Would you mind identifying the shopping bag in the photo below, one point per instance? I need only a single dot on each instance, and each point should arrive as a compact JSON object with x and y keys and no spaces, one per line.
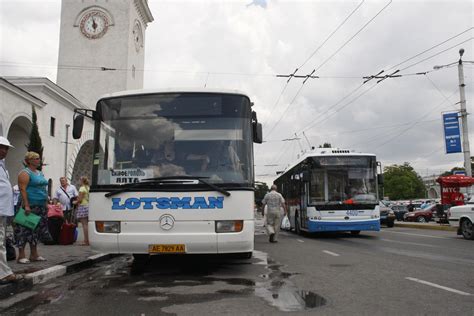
{"x":29,"y":221}
{"x":285,"y":222}
{"x":55,"y":210}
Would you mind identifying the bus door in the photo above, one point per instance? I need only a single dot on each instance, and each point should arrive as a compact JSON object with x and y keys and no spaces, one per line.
{"x":304,"y":204}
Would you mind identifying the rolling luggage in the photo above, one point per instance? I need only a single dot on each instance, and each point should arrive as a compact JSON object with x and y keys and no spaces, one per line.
{"x":66,"y":237}
{"x":54,"y":227}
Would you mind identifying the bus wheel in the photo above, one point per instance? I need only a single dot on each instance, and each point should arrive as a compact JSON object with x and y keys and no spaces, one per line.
{"x":355,"y":232}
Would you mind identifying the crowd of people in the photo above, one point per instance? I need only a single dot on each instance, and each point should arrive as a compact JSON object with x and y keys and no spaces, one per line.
{"x":29,"y":199}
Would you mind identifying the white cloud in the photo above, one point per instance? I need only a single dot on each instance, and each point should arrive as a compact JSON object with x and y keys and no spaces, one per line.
{"x":244,"y":44}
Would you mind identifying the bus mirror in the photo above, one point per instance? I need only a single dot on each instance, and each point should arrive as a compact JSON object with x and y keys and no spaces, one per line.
{"x":305,"y":176}
{"x":380,"y":179}
{"x":257,"y":133}
{"x":78,"y":124}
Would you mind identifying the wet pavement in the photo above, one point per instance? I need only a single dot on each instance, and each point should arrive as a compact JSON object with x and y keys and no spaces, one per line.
{"x":209,"y":285}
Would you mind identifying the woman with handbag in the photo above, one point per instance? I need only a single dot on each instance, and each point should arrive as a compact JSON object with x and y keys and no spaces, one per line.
{"x":34,"y":196}
{"x":82,"y":214}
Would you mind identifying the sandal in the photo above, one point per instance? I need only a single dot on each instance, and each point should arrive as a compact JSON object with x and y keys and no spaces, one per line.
{"x":39,"y":258}
{"x":23,"y":261}
{"x":11,"y":278}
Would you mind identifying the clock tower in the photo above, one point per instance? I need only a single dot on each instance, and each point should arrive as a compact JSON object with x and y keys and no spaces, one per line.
{"x":101,"y":47}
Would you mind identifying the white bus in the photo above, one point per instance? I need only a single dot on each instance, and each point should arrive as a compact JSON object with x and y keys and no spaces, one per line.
{"x":329,"y":190}
{"x":173,"y":172}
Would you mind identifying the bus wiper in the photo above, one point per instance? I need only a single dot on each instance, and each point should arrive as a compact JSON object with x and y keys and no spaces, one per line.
{"x":200,"y":179}
{"x":163,"y":180}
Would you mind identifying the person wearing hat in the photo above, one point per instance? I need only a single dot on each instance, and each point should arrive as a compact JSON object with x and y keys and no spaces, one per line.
{"x":6,"y":210}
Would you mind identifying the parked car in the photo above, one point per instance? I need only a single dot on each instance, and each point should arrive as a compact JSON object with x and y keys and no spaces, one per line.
{"x":399,"y":211}
{"x":387,"y":216}
{"x":420,"y":215}
{"x":462,"y":217}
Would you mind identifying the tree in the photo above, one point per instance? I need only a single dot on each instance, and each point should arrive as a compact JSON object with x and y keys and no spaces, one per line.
{"x":401,"y":182}
{"x":261,"y":188}
{"x":35,"y":143}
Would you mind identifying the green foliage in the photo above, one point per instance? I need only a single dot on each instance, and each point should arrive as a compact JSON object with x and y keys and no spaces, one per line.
{"x":35,"y":143}
{"x":261,"y":189}
{"x":401,"y":182}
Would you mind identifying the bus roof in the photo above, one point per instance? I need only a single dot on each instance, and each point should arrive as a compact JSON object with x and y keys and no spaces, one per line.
{"x":170,"y":90}
{"x":324,"y":152}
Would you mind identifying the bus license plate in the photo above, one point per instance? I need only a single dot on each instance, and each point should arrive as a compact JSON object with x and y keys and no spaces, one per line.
{"x":178,"y":248}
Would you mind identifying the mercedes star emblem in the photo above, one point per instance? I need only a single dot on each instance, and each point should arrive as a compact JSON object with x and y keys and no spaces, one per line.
{"x":166,"y":222}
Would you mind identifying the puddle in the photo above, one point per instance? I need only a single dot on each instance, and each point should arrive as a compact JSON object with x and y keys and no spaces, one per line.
{"x":279,"y":291}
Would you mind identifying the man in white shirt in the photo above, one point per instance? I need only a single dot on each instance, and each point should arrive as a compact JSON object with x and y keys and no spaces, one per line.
{"x":6,"y":210}
{"x":64,"y":194}
{"x":273,"y":200}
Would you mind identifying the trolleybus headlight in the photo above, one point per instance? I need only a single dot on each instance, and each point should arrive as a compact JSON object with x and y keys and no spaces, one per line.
{"x":229,"y":226}
{"x":107,"y":227}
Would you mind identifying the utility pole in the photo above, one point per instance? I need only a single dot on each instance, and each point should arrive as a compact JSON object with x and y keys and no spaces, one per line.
{"x":465,"y":135}
{"x":463,"y":112}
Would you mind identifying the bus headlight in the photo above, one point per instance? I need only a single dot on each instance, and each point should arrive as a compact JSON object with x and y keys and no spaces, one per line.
{"x":107,"y":227}
{"x":229,"y":226}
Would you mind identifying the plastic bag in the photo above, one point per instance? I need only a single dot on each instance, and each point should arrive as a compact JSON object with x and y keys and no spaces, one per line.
{"x":285,"y":222}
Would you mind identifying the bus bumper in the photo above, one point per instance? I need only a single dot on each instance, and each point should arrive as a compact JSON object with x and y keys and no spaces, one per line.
{"x":198,"y":237}
{"x":320,"y":226}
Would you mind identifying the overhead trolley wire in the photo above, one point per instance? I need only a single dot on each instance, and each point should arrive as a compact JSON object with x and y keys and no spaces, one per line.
{"x":332,"y":33}
{"x":416,"y":122}
{"x":329,"y":58}
{"x":311,"y":56}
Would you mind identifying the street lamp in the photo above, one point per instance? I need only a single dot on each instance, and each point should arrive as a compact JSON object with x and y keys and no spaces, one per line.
{"x":463,"y":112}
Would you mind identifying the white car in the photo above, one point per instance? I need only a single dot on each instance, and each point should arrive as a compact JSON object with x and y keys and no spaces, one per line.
{"x":462,"y":217}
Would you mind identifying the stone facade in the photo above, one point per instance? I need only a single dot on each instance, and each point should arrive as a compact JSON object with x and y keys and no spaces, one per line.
{"x":87,"y":69}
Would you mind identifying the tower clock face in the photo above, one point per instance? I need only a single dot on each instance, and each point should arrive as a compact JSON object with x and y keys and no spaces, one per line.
{"x":137,"y":36}
{"x":94,"y":24}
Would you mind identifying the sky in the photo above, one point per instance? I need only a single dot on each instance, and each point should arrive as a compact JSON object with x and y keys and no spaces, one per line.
{"x":251,"y":45}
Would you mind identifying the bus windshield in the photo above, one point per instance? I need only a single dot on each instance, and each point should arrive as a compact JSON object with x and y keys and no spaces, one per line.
{"x":158,"y":135}
{"x":349,"y":179}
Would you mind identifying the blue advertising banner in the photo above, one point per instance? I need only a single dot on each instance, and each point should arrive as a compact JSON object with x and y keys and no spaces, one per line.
{"x":452,"y":134}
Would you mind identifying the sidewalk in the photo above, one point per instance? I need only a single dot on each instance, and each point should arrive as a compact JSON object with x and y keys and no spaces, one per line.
{"x":61,"y":260}
{"x":429,"y":225}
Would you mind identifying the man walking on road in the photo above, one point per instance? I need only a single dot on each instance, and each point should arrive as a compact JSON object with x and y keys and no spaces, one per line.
{"x":6,"y":210}
{"x":273,"y":200}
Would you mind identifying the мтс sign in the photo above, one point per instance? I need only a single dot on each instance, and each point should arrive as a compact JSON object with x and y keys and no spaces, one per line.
{"x":452,"y":135}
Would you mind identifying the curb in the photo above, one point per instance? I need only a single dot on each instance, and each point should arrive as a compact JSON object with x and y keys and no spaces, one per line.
{"x":47,"y":274}
{"x":424,"y":226}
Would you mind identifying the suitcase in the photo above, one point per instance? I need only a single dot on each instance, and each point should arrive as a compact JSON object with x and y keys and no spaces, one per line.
{"x":66,"y":237}
{"x":54,"y":227}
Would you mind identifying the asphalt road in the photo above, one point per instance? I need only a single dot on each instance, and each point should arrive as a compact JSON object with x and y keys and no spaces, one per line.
{"x":397,"y":271}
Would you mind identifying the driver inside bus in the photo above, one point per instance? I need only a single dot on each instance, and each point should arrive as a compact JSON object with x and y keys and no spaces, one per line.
{"x":163,"y":161}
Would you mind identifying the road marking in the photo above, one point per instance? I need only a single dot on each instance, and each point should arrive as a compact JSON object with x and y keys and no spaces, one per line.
{"x":437,"y":286}
{"x":300,"y":240}
{"x":411,"y":234}
{"x":331,"y":253}
{"x":409,"y":243}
